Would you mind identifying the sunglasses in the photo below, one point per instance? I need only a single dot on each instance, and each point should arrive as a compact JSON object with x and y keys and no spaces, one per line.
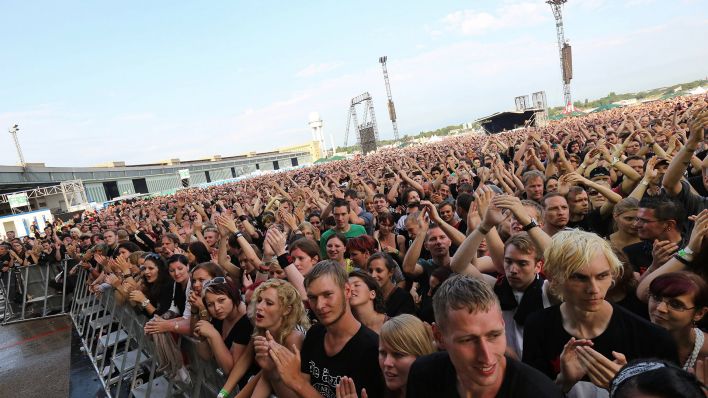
{"x":154,"y":256}
{"x":219,"y":280}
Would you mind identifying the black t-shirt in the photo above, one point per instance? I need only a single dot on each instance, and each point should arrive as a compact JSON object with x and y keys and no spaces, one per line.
{"x":594,"y":222}
{"x":434,"y":376}
{"x":240,"y":333}
{"x":544,"y":338}
{"x":6,"y":260}
{"x":639,"y":255}
{"x":358,"y":359}
{"x":399,"y":302}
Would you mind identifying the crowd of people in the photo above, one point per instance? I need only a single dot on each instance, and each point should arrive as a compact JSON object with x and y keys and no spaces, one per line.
{"x":546,"y":261}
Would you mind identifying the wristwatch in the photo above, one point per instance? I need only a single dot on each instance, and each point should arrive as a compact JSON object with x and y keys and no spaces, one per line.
{"x":145,"y":303}
{"x":532,"y":224}
{"x":203,"y":314}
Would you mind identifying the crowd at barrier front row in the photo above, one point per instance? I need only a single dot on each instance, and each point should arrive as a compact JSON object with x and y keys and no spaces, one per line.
{"x":566,"y":259}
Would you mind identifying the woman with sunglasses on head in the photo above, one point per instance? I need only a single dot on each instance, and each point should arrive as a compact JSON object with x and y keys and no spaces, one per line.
{"x":677,"y":301}
{"x":276,"y":308}
{"x":229,"y":331}
{"x":201,"y":274}
{"x":155,"y":295}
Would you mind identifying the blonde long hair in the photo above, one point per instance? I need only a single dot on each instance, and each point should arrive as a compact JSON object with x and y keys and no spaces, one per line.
{"x":407,"y":334}
{"x":289,"y":298}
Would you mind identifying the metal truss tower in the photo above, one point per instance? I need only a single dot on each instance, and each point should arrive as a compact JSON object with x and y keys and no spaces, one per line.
{"x":367,"y":131}
{"x":391,"y":108}
{"x":564,"y":52}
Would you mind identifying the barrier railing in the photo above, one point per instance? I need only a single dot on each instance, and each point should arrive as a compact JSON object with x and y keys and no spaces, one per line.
{"x":33,"y":292}
{"x":125,"y":358}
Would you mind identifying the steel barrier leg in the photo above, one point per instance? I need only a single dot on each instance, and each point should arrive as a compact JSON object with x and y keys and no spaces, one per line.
{"x":8,"y":306}
{"x":24,"y":292}
{"x":63,"y":288}
{"x":110,"y":323}
{"x":46,"y":289}
{"x":125,"y":323}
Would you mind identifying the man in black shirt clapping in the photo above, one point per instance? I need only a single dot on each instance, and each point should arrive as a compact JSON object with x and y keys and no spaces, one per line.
{"x":470,"y":327}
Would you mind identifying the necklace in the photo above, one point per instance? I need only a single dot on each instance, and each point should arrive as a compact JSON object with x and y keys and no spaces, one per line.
{"x":697,"y":344}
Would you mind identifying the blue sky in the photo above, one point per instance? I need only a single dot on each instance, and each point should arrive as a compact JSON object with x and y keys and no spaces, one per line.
{"x":90,"y":82}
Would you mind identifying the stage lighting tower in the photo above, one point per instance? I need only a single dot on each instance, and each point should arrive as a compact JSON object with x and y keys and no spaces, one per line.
{"x":564,"y":52}
{"x":391,"y":108}
{"x":13,"y":132}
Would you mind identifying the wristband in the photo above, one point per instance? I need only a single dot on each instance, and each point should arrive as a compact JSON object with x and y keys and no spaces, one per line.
{"x":243,"y":218}
{"x":482,"y":230}
{"x":223,"y":393}
{"x":645,"y":183}
{"x":685,"y":253}
{"x":681,"y":259}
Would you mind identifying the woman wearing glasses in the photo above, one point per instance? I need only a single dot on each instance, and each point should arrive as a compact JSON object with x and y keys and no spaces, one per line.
{"x":229,"y":331}
{"x":677,"y":301}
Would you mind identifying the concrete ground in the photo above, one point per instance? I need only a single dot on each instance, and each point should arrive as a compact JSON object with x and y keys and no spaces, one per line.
{"x":35,"y":358}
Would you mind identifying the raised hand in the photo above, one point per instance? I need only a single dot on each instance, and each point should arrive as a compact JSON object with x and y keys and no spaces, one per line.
{"x":699,"y":233}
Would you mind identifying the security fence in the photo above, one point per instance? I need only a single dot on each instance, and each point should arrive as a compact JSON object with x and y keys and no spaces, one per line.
{"x":126,"y":359}
{"x":128,"y":362}
{"x":34,"y":291}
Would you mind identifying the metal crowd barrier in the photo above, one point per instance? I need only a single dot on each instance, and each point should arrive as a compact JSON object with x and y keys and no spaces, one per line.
{"x":124,"y":357}
{"x":31,"y":292}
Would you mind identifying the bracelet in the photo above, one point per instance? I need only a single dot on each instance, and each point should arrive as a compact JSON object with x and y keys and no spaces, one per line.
{"x":645,"y":183}
{"x":614,"y":161}
{"x":482,"y":230}
{"x":223,"y":393}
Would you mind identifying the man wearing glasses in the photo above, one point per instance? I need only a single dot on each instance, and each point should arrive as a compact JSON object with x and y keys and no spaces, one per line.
{"x":659,"y":224}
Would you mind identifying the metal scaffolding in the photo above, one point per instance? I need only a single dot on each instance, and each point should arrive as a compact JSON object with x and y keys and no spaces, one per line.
{"x":391,"y":107}
{"x":367,"y":131}
{"x":72,"y":190}
{"x":564,"y":52}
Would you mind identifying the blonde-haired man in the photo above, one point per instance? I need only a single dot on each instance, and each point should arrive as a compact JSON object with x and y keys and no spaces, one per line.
{"x":571,"y":342}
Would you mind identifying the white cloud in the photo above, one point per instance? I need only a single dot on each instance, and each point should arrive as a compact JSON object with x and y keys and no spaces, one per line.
{"x":316,"y":69}
{"x":472,"y":22}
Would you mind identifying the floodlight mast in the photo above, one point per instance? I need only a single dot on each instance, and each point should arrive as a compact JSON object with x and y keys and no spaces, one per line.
{"x":13,"y":132}
{"x":565,"y":61}
{"x":391,"y":108}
